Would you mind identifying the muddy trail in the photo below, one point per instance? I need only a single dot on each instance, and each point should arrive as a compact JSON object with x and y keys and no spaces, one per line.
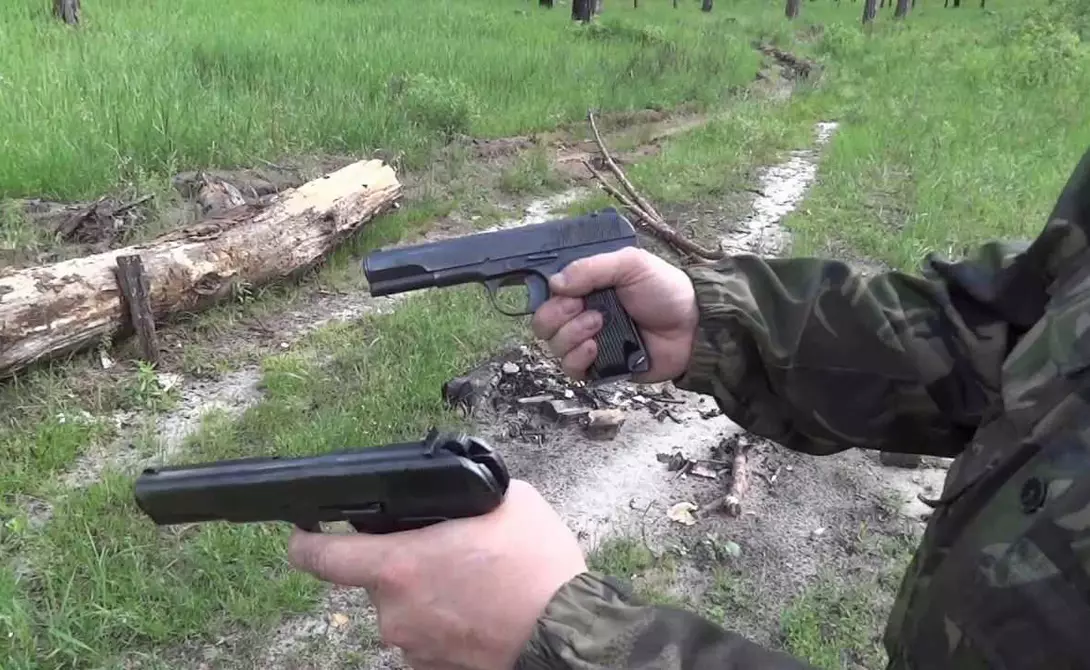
{"x":655,"y":482}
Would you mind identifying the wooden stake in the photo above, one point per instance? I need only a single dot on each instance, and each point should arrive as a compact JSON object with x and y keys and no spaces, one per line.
{"x":133,"y":283}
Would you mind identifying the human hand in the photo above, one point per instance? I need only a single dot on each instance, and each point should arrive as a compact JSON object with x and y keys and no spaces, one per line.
{"x":658,"y":296}
{"x":464,"y":593}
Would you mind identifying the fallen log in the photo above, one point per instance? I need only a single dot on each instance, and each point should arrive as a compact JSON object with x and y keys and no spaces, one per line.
{"x":54,"y":310}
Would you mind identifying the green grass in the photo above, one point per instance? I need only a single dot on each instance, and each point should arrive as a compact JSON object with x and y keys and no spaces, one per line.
{"x":956,"y":127}
{"x":151,"y":88}
{"x":651,"y":576}
{"x":834,"y":625}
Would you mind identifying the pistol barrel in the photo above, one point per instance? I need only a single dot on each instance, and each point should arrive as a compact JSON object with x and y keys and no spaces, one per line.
{"x":379,"y":489}
{"x":544,"y":247}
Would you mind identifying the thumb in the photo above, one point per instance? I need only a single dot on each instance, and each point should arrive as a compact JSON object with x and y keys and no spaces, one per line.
{"x":594,"y":273}
{"x":349,"y":560}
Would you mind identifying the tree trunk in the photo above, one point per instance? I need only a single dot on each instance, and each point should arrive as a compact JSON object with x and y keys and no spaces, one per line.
{"x":706,"y":5}
{"x":635,"y":4}
{"x":792,"y":9}
{"x":581,"y":10}
{"x":57,"y":309}
{"x":545,"y":3}
{"x":675,"y":4}
{"x":902,"y":9}
{"x":869,"y":10}
{"x":598,"y":7}
{"x":67,"y":11}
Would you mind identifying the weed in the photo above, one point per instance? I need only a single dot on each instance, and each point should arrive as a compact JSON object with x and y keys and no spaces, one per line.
{"x":531,"y":174}
{"x":833,"y":625}
{"x":148,"y":390}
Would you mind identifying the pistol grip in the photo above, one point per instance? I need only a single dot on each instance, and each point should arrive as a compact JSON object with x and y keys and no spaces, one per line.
{"x":621,"y":352}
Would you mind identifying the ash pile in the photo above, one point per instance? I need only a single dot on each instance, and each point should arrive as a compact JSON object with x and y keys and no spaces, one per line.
{"x":527,"y":394}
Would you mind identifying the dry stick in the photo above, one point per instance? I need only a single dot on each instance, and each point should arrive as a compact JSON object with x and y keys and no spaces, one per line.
{"x":739,"y":483}
{"x":644,"y":217}
{"x":639,"y":205}
{"x":618,"y":173}
{"x":129,"y":205}
{"x":680,"y":244}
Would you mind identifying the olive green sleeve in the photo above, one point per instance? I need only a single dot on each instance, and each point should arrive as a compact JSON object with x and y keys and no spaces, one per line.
{"x":819,"y":358}
{"x":593,"y":622}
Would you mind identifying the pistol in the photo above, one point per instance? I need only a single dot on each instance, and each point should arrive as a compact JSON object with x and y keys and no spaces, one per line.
{"x":381,"y":489}
{"x":525,"y":255}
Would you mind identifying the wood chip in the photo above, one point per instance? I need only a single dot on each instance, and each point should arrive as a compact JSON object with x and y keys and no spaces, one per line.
{"x":604,"y":424}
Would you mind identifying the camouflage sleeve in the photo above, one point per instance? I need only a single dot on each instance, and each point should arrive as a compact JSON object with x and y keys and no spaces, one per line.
{"x":819,"y":358}
{"x":593,"y":622}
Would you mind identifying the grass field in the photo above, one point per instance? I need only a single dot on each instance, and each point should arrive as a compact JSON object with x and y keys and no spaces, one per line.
{"x":149,"y":88}
{"x":956,"y":127}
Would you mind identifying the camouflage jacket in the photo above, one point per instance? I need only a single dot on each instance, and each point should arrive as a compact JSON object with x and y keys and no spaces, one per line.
{"x":986,"y":360}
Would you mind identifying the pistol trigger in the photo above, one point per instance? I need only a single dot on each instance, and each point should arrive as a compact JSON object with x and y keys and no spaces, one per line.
{"x":538,"y":289}
{"x":492,"y":286}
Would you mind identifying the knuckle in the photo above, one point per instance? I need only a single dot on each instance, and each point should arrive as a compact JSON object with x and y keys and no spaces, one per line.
{"x":398,"y":574}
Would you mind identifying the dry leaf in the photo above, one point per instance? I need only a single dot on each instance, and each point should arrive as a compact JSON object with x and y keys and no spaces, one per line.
{"x":338,"y":619}
{"x":682,"y":513}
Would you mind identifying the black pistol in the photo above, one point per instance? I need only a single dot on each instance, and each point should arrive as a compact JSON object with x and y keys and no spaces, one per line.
{"x":378,"y":490}
{"x":525,"y":255}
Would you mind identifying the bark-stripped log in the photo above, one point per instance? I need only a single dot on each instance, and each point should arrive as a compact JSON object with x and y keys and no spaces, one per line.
{"x":57,"y":309}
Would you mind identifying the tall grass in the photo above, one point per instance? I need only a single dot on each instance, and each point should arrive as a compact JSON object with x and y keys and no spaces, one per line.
{"x":956,"y":127}
{"x":153,"y":86}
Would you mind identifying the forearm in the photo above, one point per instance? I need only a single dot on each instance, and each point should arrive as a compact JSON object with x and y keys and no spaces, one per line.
{"x":593,"y":623}
{"x":820,"y":359}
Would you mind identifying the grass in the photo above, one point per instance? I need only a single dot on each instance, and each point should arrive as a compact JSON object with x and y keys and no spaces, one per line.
{"x":650,"y":575}
{"x":143,"y":90}
{"x":153,"y":88}
{"x":836,"y":625}
{"x":970,"y":139}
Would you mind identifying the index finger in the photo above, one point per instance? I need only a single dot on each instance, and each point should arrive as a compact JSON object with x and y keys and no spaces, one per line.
{"x":349,"y":560}
{"x":592,"y":273}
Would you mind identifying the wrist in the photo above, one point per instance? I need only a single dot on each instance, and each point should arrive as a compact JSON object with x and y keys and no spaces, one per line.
{"x":701,"y":371}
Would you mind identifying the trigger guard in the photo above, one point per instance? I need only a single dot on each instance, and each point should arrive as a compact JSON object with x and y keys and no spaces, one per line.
{"x":538,"y":289}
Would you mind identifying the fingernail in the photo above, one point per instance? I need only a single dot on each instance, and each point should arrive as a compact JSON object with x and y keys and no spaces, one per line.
{"x":590,"y":320}
{"x":559,"y":281}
